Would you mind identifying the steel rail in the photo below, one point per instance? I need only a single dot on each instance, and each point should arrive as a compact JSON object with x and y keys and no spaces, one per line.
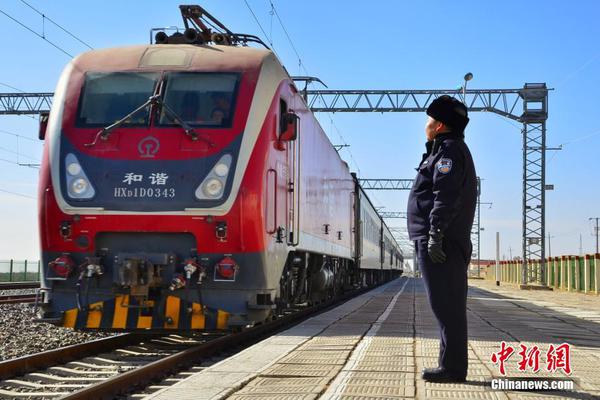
{"x":22,"y":365}
{"x":19,"y":285}
{"x":17,"y":298}
{"x":142,"y":376}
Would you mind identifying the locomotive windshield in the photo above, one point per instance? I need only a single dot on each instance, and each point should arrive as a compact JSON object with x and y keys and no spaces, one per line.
{"x":200,"y":99}
{"x":108,"y":97}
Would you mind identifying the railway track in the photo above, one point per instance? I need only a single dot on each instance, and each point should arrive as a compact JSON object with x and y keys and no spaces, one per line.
{"x":61,"y":372}
{"x":123,"y":364}
{"x":18,"y":292}
{"x":19,"y":285}
{"x":17,"y":298}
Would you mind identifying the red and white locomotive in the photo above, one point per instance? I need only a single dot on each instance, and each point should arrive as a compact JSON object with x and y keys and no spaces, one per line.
{"x":187,"y":185}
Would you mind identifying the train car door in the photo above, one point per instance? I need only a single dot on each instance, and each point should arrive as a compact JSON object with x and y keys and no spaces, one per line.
{"x":293,"y":175}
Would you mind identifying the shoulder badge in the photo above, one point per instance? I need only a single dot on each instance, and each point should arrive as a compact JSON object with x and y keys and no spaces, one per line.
{"x":444,"y":165}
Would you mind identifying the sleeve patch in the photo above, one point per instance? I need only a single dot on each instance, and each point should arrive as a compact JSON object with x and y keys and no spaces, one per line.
{"x":444,"y":165}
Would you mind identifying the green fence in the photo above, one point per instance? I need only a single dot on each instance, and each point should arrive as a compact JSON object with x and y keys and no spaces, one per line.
{"x":19,"y":270}
{"x":570,"y":273}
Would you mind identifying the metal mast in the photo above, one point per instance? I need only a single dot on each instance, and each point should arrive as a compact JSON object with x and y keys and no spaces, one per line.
{"x":535,"y":114}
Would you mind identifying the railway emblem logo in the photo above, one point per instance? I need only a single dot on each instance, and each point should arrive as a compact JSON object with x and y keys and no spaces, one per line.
{"x":444,"y":165}
{"x":148,"y":147}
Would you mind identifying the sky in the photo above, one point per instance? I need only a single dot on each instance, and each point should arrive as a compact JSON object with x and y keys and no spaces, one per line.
{"x":385,"y":45}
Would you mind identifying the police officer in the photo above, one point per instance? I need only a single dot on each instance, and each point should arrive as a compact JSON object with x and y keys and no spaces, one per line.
{"x":441,"y":207}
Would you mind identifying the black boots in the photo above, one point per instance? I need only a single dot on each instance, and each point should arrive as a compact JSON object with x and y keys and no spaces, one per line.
{"x":442,"y":375}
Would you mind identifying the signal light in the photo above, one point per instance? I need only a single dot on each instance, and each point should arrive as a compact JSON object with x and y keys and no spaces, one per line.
{"x":62,"y":266}
{"x":221,"y":231}
{"x":226,"y":269}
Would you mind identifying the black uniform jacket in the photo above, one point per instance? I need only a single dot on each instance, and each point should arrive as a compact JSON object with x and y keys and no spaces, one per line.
{"x":444,"y":193}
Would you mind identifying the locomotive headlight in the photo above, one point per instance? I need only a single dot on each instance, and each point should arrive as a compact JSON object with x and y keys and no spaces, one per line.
{"x":74,"y":169}
{"x":213,"y":186}
{"x":221,"y":169}
{"x":79,"y":186}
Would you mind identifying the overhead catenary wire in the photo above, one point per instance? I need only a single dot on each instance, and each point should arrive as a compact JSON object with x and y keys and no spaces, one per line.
{"x":34,"y":166}
{"x":271,"y":13}
{"x":373,"y":196}
{"x":20,"y":136}
{"x":344,"y":143}
{"x":300,"y":63}
{"x":563,"y":145}
{"x":519,"y":127}
{"x":44,"y":16}
{"x":260,"y":26}
{"x":18,"y":154}
{"x":17,"y":194}
{"x":578,"y":70}
{"x":37,"y":34}
{"x":346,"y":146}
{"x":11,"y":87}
{"x":584,"y":137}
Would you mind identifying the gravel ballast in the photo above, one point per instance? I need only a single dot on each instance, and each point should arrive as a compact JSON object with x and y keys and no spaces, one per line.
{"x":21,"y":336}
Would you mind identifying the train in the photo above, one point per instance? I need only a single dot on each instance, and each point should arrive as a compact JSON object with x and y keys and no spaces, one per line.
{"x":186,"y":185}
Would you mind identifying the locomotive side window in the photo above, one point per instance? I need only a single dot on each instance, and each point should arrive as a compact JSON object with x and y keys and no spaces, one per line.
{"x":200,"y":99}
{"x":108,"y":97}
{"x":282,"y":110}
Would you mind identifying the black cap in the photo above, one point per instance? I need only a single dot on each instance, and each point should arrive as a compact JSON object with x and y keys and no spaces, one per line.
{"x":449,"y":111}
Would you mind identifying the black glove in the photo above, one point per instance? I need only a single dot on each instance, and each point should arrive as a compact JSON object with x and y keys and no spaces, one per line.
{"x":434,"y":247}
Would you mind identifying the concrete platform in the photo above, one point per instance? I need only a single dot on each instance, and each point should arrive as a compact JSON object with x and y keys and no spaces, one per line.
{"x":374,"y":347}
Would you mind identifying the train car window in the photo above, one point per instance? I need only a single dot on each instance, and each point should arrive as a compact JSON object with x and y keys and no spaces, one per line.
{"x":282,"y":110}
{"x":201,"y":99}
{"x":108,"y":97}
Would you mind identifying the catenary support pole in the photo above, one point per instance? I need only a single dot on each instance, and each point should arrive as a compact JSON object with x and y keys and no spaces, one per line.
{"x":497,"y":258}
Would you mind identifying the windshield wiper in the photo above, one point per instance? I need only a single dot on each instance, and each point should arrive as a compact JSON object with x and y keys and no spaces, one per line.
{"x":179,"y":121}
{"x":105,"y":132}
{"x":152,"y":100}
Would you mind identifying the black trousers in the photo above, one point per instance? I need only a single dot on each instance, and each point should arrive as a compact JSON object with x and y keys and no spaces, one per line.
{"x":446,"y":286}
